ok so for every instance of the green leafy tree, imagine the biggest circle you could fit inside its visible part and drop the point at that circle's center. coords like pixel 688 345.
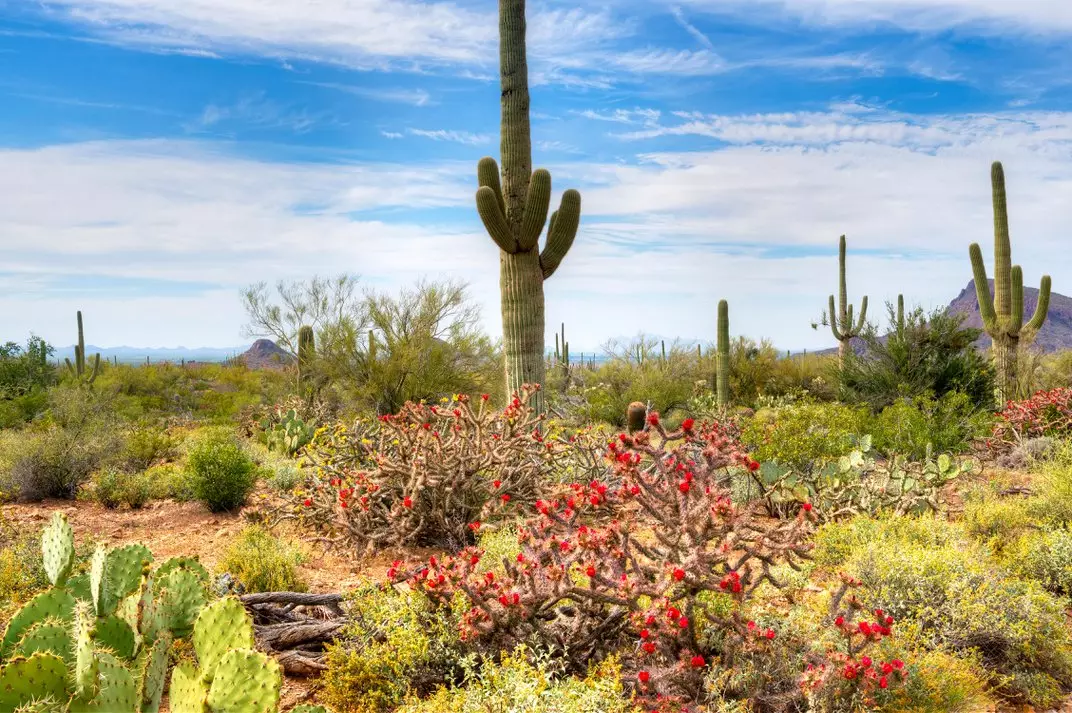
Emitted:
pixel 25 369
pixel 329 306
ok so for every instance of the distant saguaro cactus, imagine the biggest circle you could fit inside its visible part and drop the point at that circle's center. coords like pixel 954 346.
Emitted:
pixel 841 323
pixel 78 369
pixel 306 355
pixel 1003 314
pixel 722 357
pixel 515 210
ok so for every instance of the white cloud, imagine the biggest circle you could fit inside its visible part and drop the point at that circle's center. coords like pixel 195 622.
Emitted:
pixel 415 97
pixel 459 137
pixel 991 16
pixel 754 220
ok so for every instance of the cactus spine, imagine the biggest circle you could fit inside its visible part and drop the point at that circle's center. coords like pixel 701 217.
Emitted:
pixel 78 369
pixel 722 355
pixel 841 323
pixel 1003 314
pixel 514 213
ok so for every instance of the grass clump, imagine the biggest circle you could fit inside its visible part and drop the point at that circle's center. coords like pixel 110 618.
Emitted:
pixel 262 562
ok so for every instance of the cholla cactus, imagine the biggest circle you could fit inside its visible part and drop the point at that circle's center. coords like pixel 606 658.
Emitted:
pixel 515 210
pixel 1003 314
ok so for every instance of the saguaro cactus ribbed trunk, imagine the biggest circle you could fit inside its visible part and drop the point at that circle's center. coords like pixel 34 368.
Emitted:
pixel 78 369
pixel 841 323
pixel 1003 314
pixel 515 210
pixel 306 355
pixel 722 356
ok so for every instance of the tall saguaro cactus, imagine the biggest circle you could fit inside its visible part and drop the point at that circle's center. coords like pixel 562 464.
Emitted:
pixel 306 355
pixel 515 210
pixel 722 358
pixel 78 369
pixel 841 323
pixel 1003 314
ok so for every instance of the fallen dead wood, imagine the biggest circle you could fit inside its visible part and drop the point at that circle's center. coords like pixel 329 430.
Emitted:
pixel 295 627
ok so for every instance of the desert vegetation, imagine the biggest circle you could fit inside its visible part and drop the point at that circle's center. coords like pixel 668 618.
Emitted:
pixel 403 514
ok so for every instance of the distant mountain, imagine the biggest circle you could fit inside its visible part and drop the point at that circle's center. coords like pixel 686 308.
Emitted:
pixel 265 354
pixel 1056 332
pixel 135 355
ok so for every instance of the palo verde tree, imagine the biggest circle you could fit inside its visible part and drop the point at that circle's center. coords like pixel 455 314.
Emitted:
pixel 514 212
pixel 1003 314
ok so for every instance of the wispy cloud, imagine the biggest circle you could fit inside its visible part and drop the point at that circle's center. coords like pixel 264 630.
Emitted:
pixel 460 137
pixel 414 97
pixel 256 111
pixel 700 37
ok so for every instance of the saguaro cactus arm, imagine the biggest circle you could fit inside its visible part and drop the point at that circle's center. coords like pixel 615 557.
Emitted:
pixel 982 288
pixel 561 231
pixel 1041 308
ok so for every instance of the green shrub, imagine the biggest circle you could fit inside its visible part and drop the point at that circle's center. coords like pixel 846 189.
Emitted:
pixel 171 480
pixel 112 487
pixel 24 370
pixel 805 435
pixel 395 646
pixel 961 601
pixel 222 473
pixel 263 563
pixel 914 427
pixel 1046 557
pixel 939 682
pixel 144 446
pixel 519 684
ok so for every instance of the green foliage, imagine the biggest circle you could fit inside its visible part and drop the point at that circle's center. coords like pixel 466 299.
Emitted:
pixel 285 432
pixel 922 425
pixel 25 376
pixel 263 563
pixel 939 682
pixel 145 445
pixel 112 487
pixel 395 646
pixel 804 436
pixel 930 574
pixel 1046 557
pixel 223 474
pixel 930 355
pixel 522 682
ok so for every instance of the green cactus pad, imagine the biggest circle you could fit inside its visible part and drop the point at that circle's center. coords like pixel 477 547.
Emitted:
pixel 85 663
pixel 78 587
pixel 25 680
pixel 57 549
pixel 221 626
pixel 152 674
pixel 114 634
pixel 187 693
pixel 181 599
pixel 97 582
pixel 190 564
pixel 49 637
pixel 245 682
pixel 43 705
pixel 50 604
pixel 116 692
pixel 127 566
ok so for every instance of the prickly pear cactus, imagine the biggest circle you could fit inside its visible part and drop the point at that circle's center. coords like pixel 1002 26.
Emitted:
pixel 50 636
pixel 114 634
pixel 222 626
pixel 115 689
pixel 245 682
pixel 181 598
pixel 189 564
pixel 25 680
pixel 151 674
pixel 43 705
pixel 187 694
pixel 48 605
pixel 85 663
pixel 57 549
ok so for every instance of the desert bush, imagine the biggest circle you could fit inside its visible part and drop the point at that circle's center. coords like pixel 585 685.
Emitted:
pixel 929 354
pixel 588 581
pixel 394 646
pixel 523 681
pixel 25 370
pixel 960 600
pixel 939 682
pixel 923 425
pixel 112 487
pixel 222 473
pixel 804 436
pixel 425 477
pixel 1046 557
pixel 1046 414
pixel 261 562
pixel 143 446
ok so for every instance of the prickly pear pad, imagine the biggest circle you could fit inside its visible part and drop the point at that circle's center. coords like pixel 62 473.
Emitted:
pixel 85 663
pixel 112 633
pixel 116 692
pixel 152 669
pixel 181 597
pixel 190 564
pixel 24 680
pixel 127 565
pixel 222 626
pixel 57 549
pixel 50 604
pixel 187 693
pixel 245 682
pixel 50 636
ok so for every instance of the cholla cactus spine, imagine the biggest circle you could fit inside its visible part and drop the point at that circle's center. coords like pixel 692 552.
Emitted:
pixel 1003 313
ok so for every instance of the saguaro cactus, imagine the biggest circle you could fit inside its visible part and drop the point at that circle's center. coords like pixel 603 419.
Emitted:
pixel 78 369
pixel 722 357
pixel 306 354
pixel 514 213
pixel 841 323
pixel 1003 314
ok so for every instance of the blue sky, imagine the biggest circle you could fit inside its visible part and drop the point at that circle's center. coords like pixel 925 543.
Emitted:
pixel 156 156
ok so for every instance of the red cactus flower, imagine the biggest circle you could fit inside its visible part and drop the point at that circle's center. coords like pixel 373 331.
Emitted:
pixel 683 486
pixel 649 647
pixel 474 526
pixel 484 397
pixel 496 484
pixel 506 497
pixel 849 672
pixel 887 668
pixel 679 574
pixel 865 661
pixel 807 507
pixel 683 622
pixel 698 661
pixel 840 621
pixel 407 502
pixel 753 466
pixel 770 634
pixel 307 502
pixel 591 571
pixel 653 418
pixel 643 676
pixel 687 424
pixel 897 664
pixel 644 633
pixel 883 682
